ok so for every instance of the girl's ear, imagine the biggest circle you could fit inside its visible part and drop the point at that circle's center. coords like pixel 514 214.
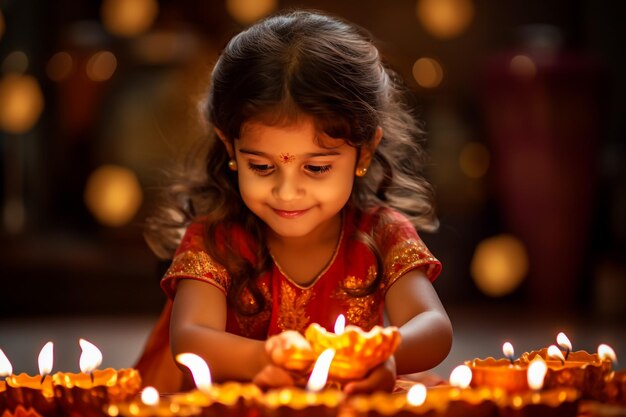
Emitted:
pixel 227 143
pixel 367 152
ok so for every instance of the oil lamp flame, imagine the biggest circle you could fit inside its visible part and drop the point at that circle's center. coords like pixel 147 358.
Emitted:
pixel 199 370
pixel 340 324
pixel 555 353
pixel 45 359
pixel 150 396
pixel 90 357
pixel 461 376
pixel 537 370
pixel 606 352
pixel 563 341
pixel 416 395
pixel 507 349
pixel 5 366
pixel 319 375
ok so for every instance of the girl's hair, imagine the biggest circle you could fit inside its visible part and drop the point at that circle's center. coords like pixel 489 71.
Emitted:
pixel 294 63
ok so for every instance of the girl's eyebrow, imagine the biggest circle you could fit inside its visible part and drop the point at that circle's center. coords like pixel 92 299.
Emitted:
pixel 308 155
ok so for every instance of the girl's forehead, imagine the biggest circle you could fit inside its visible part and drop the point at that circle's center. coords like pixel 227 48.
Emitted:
pixel 301 133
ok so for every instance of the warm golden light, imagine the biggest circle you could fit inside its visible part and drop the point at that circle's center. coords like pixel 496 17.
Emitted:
pixel 427 72
pixel 5 365
pixel 113 195
pixel 474 160
pixel 21 103
pixel 319 375
pixel 150 396
pixel 101 66
pixel 606 352
pixel 563 341
pixel 416 395
pixel 523 66
pixel 537 370
pixel 340 324
pixel 249 11
pixel 16 62
pixel 445 19
pixel 45 359
pixel 555 353
pixel 461 376
pixel 90 357
pixel 507 350
pixel 499 265
pixel 128 18
pixel 59 66
pixel 199 370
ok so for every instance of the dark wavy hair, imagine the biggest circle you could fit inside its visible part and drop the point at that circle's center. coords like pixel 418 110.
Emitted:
pixel 294 63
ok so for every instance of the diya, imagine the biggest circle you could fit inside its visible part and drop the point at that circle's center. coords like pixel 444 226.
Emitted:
pixel 506 374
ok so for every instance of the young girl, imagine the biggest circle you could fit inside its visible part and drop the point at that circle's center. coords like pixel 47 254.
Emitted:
pixel 306 208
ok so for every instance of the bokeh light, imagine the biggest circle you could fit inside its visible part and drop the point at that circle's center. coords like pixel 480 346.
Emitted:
pixel 445 19
pixel 113 195
pixel 249 11
pixel 474 160
pixel 21 103
pixel 101 66
pixel 128 18
pixel 427 72
pixel 523 66
pixel 15 62
pixel 499 265
pixel 60 66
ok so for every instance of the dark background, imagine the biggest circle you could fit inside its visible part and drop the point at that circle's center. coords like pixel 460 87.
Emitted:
pixel 556 177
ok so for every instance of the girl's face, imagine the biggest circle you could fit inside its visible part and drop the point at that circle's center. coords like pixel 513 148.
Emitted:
pixel 296 186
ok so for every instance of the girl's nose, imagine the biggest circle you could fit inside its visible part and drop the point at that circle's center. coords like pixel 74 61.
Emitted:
pixel 288 188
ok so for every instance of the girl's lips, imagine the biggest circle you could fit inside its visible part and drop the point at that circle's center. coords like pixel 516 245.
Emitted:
pixel 290 214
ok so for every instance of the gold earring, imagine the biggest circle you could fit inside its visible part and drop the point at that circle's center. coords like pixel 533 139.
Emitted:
pixel 360 172
pixel 232 165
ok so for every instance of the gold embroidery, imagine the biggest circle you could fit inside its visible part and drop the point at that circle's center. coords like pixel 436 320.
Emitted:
pixel 292 310
pixel 404 256
pixel 253 325
pixel 198 264
pixel 361 311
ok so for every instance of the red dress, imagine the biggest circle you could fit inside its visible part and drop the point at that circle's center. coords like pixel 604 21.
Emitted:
pixel 288 305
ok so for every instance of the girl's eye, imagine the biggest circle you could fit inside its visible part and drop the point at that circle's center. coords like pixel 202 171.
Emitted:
pixel 318 169
pixel 261 169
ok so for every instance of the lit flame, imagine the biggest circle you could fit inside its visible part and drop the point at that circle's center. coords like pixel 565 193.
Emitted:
pixel 340 324
pixel 5 366
pixel 199 370
pixel 319 375
pixel 45 359
pixel 555 353
pixel 507 349
pixel 563 341
pixel 90 357
pixel 536 373
pixel 461 376
pixel 150 396
pixel 416 395
pixel 606 352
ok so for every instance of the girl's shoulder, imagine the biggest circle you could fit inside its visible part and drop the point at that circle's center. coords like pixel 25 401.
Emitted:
pixel 380 219
pixel 198 235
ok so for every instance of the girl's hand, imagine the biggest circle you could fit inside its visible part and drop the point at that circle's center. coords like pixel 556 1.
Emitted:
pixel 381 378
pixel 272 376
pixel 290 350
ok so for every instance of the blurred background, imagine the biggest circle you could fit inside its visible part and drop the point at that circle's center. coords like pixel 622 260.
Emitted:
pixel 523 103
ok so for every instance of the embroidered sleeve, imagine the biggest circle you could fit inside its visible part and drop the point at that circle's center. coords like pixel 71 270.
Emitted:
pixel 192 262
pixel 403 250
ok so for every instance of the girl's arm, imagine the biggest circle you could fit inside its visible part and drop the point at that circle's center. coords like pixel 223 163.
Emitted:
pixel 198 324
pixel 413 306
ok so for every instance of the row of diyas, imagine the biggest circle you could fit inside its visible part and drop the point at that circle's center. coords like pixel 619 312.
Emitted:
pixel 63 393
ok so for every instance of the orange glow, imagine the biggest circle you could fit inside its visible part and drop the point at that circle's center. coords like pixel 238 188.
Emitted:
pixel 150 396
pixel 101 66
pixel 499 265
pixel 427 72
pixel 113 195
pixel 461 376
pixel 537 370
pixel 416 395
pixel 249 11
pixel 523 66
pixel 474 160
pixel 128 18
pixel 21 103
pixel 445 19
pixel 59 66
